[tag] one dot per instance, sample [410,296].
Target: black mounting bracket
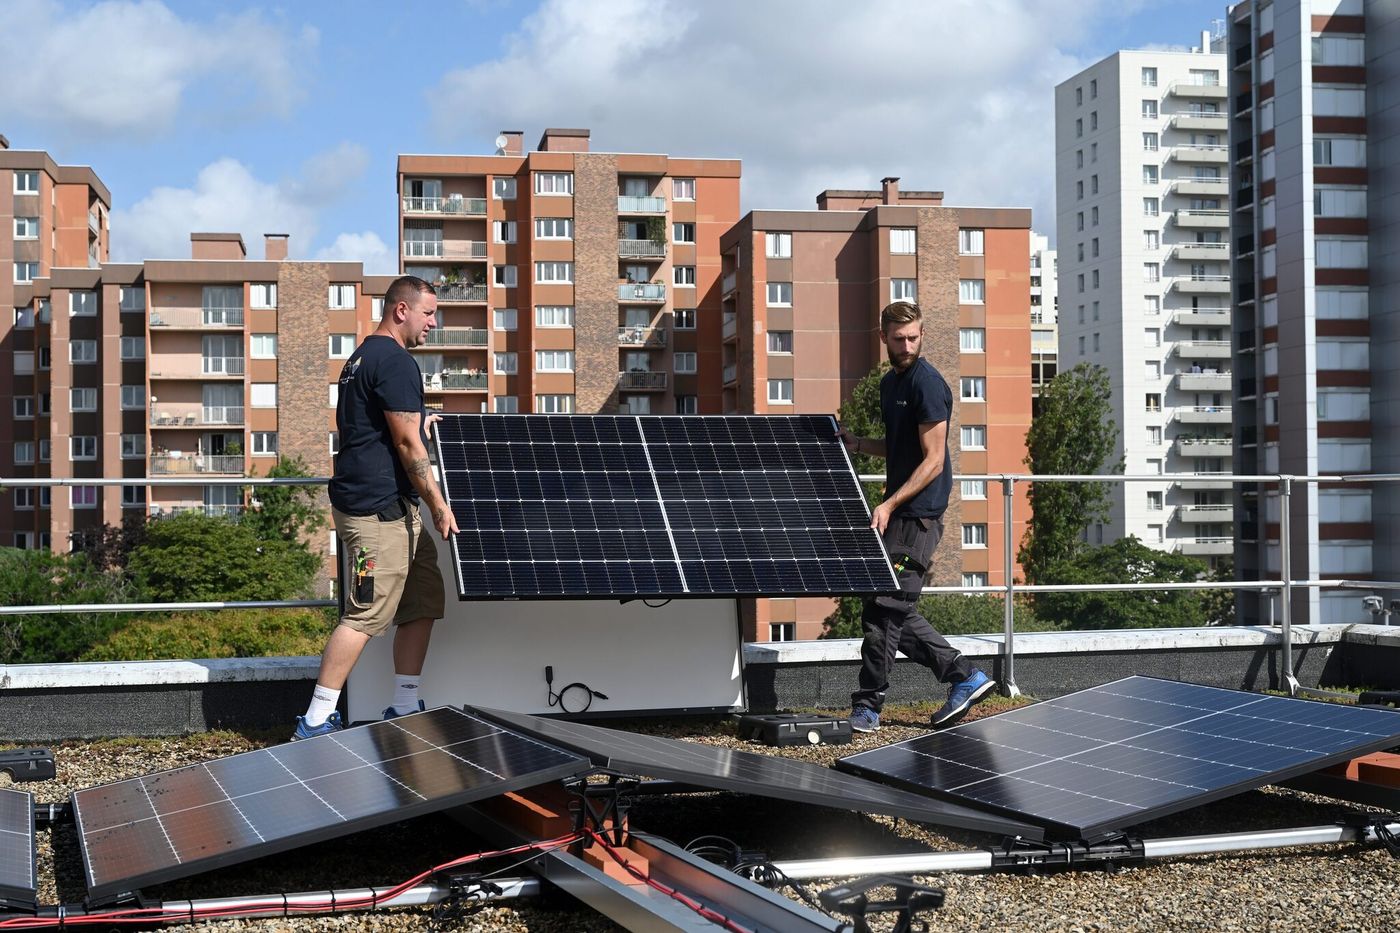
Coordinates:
[51,814]
[909,901]
[599,803]
[472,888]
[1379,823]
[1032,858]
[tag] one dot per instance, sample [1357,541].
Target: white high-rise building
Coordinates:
[1045,309]
[1141,164]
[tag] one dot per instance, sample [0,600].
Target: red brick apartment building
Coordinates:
[802,294]
[570,280]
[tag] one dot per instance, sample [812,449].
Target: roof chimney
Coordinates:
[217,246]
[564,140]
[275,246]
[4,143]
[515,142]
[890,189]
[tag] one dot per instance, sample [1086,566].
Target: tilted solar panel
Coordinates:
[1103,759]
[642,505]
[177,823]
[17,884]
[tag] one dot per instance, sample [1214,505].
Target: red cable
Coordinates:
[708,913]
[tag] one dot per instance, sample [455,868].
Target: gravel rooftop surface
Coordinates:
[1333,888]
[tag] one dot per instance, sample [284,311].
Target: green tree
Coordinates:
[42,578]
[1219,605]
[1073,434]
[198,557]
[1127,560]
[860,414]
[285,513]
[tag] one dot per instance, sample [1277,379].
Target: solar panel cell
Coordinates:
[17,883]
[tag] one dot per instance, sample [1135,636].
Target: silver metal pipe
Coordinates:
[1008,674]
[169,607]
[921,863]
[191,479]
[321,902]
[1285,534]
[1269,839]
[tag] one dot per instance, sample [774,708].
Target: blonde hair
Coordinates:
[899,313]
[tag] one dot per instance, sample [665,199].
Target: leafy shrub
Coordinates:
[232,633]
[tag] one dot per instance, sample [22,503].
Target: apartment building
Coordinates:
[1315,230]
[1141,162]
[53,226]
[569,280]
[802,294]
[1045,311]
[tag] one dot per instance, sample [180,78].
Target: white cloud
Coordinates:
[227,197]
[955,95]
[124,67]
[379,257]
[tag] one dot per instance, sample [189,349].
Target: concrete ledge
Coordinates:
[153,673]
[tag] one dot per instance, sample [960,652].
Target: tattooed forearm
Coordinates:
[403,415]
[421,468]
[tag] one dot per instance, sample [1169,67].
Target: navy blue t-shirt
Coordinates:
[919,395]
[380,376]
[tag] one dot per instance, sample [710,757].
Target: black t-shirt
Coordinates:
[380,376]
[917,396]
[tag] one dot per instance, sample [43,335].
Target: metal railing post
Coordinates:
[1008,651]
[1285,669]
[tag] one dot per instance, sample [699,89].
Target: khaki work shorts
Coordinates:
[393,571]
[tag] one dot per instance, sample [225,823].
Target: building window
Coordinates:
[683,232]
[45,450]
[133,446]
[554,404]
[1093,120]
[1154,435]
[26,182]
[1154,501]
[780,391]
[1079,190]
[547,228]
[974,436]
[133,398]
[902,241]
[82,399]
[133,497]
[556,272]
[1093,88]
[133,348]
[505,319]
[1079,220]
[682,189]
[332,395]
[24,362]
[1079,97]
[506,363]
[505,276]
[974,578]
[683,275]
[1151,272]
[1149,174]
[83,497]
[782,631]
[904,290]
[554,361]
[1152,370]
[503,231]
[1079,158]
[24,499]
[554,315]
[26,228]
[1079,127]
[1151,305]
[264,346]
[24,318]
[1153,403]
[1096,342]
[1151,337]
[687,404]
[972,339]
[972,291]
[82,351]
[685,318]
[974,535]
[82,447]
[503,189]
[342,297]
[974,488]
[264,395]
[1151,207]
[780,341]
[1149,142]
[1094,278]
[1149,77]
[333,442]
[554,183]
[1149,110]
[24,408]
[505,405]
[1093,216]
[341,346]
[1094,184]
[778,245]
[376,309]
[262,295]
[971,241]
[26,272]
[779,294]
[264,443]
[974,388]
[684,362]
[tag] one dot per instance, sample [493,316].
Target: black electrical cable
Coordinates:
[650,605]
[557,699]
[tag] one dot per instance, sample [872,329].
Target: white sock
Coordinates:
[405,693]
[323,700]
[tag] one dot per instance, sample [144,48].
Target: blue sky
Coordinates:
[264,117]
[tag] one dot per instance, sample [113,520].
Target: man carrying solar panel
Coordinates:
[381,471]
[915,404]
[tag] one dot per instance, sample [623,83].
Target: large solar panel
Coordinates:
[1099,760]
[642,505]
[750,773]
[17,885]
[182,822]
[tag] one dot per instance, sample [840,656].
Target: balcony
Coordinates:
[1205,483]
[209,367]
[457,292]
[731,374]
[196,318]
[445,249]
[1205,547]
[469,207]
[1201,155]
[1203,220]
[454,382]
[1209,514]
[1203,382]
[94,222]
[1205,414]
[1202,284]
[194,415]
[1203,349]
[1210,252]
[628,204]
[1198,90]
[1201,187]
[168,509]
[641,249]
[1204,446]
[1244,150]
[172,465]
[456,337]
[729,329]
[641,336]
[641,381]
[650,293]
[1192,120]
[731,282]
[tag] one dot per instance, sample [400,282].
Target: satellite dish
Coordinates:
[501,141]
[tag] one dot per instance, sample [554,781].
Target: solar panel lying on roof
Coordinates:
[17,885]
[750,773]
[594,506]
[1114,756]
[182,822]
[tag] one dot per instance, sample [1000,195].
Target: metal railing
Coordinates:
[450,205]
[171,465]
[456,337]
[642,291]
[631,204]
[641,336]
[195,318]
[194,414]
[642,248]
[641,380]
[455,291]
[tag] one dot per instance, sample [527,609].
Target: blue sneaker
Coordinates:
[391,713]
[332,724]
[865,719]
[962,698]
